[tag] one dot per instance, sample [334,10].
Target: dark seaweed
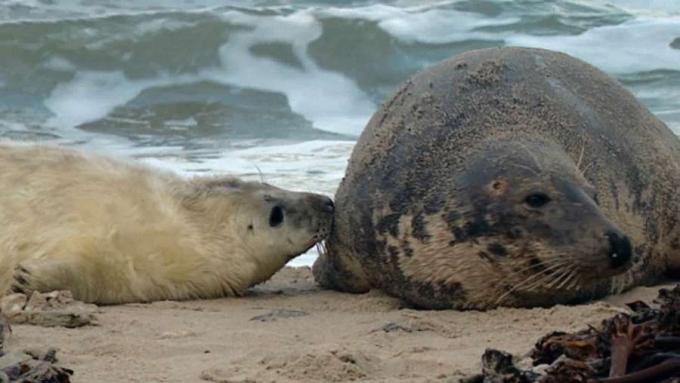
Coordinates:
[640,347]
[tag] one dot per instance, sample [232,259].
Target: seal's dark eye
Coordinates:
[276,216]
[537,199]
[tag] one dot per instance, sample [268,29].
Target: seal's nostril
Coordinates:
[620,249]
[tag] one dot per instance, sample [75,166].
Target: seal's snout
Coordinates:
[322,203]
[327,205]
[620,249]
[320,212]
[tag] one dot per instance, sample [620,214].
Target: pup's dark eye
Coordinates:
[276,216]
[537,199]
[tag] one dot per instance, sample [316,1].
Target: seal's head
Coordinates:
[536,218]
[269,224]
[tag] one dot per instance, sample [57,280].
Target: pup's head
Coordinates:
[269,224]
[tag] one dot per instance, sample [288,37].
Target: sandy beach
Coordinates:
[288,330]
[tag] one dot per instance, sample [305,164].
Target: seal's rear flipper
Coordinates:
[343,273]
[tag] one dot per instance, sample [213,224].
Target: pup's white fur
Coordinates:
[113,231]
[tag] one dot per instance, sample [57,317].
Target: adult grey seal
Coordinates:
[506,176]
[114,231]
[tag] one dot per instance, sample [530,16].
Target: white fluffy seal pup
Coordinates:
[114,231]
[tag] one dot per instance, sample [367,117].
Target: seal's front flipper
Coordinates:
[40,275]
[340,272]
[22,281]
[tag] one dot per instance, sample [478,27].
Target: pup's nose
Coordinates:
[620,249]
[327,205]
[320,203]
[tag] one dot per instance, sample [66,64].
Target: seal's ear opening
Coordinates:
[498,187]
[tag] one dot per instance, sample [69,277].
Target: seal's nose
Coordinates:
[620,250]
[320,203]
[327,205]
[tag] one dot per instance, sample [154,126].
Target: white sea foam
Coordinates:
[157,25]
[423,23]
[437,26]
[635,46]
[641,44]
[665,101]
[89,96]
[331,101]
[60,64]
[184,124]
[316,166]
[647,7]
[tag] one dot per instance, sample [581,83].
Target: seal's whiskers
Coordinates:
[559,281]
[575,283]
[540,282]
[536,265]
[548,278]
[580,157]
[321,248]
[571,274]
[532,279]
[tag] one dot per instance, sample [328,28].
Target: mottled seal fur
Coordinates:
[506,176]
[114,231]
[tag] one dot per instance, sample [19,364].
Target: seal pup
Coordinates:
[506,176]
[112,231]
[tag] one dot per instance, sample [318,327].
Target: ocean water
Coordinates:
[279,90]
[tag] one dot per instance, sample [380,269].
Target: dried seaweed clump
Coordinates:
[640,347]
